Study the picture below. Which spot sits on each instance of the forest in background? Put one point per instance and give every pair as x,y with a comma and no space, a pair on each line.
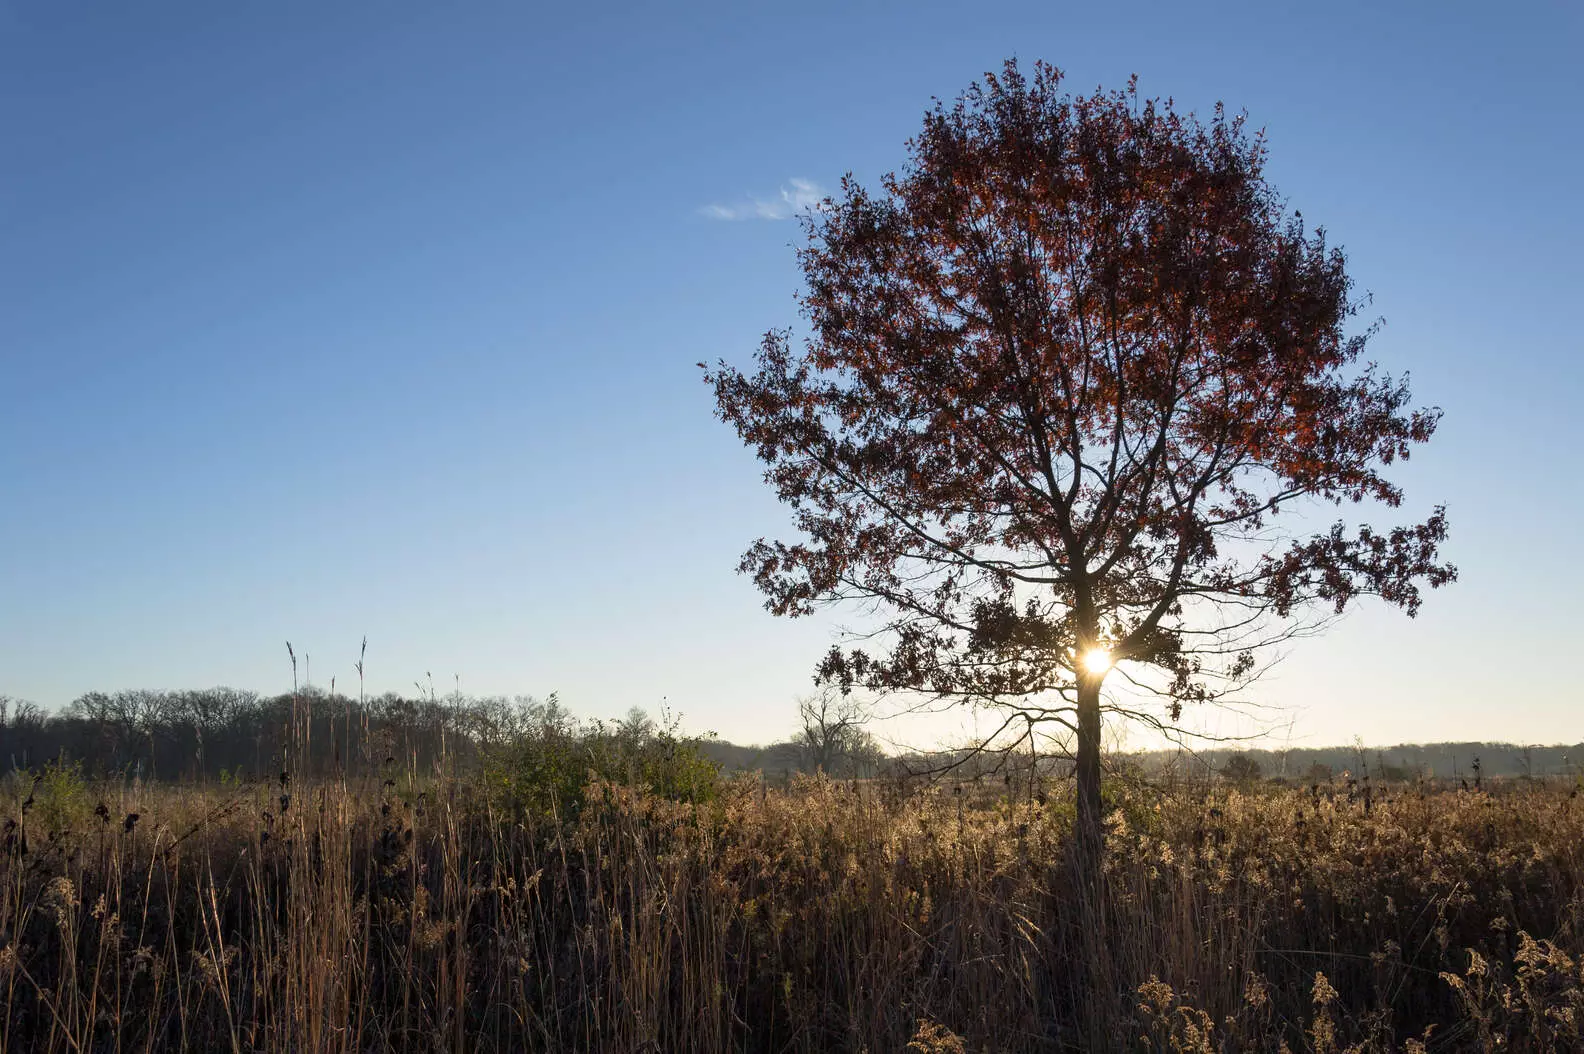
212,733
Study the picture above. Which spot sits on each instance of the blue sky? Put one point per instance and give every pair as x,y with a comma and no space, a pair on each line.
325,320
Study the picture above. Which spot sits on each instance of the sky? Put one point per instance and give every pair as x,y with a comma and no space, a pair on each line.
324,321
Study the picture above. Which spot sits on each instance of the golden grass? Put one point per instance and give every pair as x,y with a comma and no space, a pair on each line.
827,916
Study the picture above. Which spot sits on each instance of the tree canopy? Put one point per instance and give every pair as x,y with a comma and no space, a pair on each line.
1070,378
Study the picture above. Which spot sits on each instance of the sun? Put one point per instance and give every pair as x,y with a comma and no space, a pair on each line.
1097,660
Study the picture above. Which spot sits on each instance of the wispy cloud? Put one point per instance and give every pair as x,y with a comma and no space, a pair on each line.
794,197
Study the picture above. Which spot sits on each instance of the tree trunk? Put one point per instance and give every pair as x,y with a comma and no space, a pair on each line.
1087,867
1088,841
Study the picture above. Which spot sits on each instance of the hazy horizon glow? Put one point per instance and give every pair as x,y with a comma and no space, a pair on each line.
318,323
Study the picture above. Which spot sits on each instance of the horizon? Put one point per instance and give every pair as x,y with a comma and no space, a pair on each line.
383,321
1260,745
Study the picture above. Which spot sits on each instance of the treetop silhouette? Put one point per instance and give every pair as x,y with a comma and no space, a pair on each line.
1069,377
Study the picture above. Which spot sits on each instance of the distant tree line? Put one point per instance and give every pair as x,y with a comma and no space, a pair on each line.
206,733
1468,762
200,734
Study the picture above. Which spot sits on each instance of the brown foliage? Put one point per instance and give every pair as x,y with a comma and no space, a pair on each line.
1064,373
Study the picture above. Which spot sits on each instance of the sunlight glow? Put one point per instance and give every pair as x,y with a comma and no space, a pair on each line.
1097,660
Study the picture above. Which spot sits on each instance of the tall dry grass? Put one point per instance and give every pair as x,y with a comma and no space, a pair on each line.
403,911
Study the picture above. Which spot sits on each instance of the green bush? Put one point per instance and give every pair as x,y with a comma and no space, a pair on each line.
544,769
656,758
62,795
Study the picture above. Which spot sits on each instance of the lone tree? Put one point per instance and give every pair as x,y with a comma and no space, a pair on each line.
832,730
1071,377
1241,768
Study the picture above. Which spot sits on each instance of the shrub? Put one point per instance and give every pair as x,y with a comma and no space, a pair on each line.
545,770
62,796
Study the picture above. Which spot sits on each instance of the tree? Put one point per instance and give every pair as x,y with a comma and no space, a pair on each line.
637,726
1241,768
20,714
832,730
1075,388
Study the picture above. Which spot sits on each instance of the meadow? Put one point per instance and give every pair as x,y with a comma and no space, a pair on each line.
673,909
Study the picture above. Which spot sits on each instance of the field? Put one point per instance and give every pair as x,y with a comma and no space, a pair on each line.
403,913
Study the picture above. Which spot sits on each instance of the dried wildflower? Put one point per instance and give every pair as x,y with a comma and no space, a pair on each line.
934,1038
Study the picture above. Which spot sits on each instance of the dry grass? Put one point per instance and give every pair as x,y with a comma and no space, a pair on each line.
412,915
